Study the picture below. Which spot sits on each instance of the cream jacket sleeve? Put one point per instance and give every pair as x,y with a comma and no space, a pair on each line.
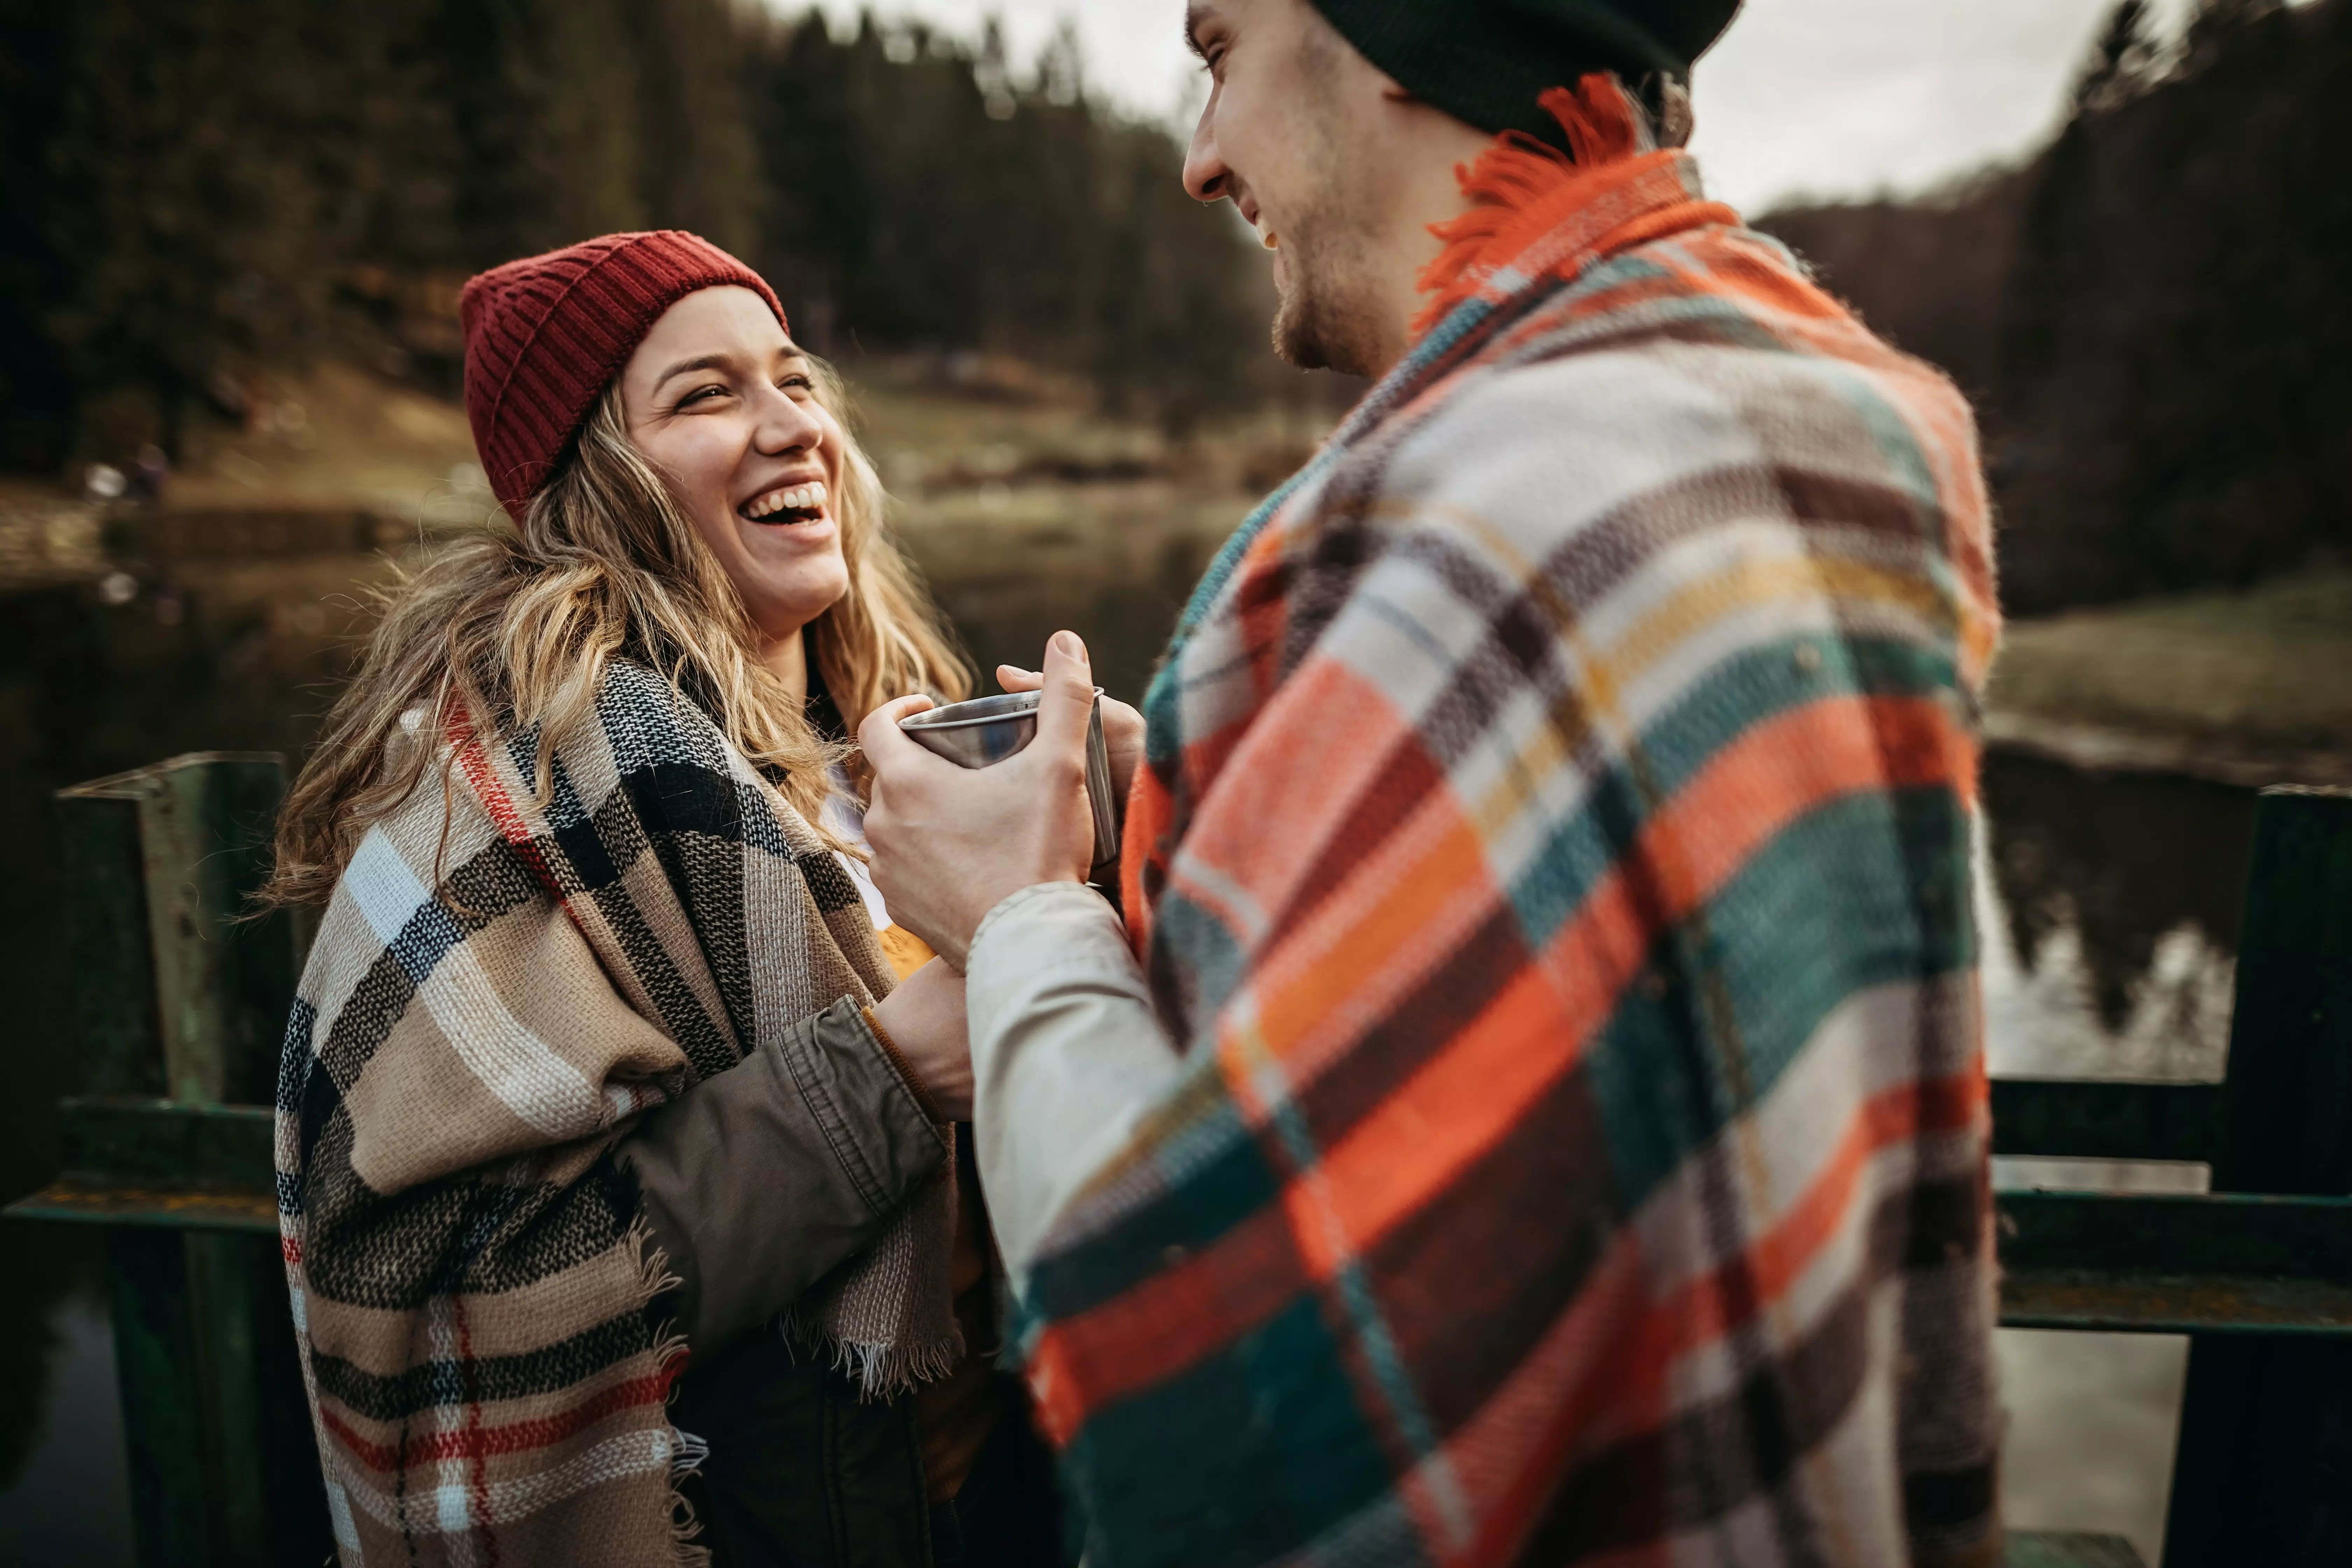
1067,1054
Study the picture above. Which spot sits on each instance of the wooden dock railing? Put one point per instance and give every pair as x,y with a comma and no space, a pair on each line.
170,1149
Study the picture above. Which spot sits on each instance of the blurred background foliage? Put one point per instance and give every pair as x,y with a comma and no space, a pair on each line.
2154,316
2151,314
198,191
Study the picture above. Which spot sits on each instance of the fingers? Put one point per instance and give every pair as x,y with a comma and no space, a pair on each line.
885,744
1013,677
1069,700
1123,739
1121,723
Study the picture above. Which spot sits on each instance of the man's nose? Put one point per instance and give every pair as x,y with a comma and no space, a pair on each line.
1206,178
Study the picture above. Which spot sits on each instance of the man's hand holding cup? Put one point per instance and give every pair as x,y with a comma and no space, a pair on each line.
950,843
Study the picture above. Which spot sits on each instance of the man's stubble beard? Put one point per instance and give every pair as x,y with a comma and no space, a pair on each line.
1330,314
1325,322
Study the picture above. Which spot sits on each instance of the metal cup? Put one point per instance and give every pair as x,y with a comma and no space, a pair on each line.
990,729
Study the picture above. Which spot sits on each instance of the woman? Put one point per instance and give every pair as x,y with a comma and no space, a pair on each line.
599,1069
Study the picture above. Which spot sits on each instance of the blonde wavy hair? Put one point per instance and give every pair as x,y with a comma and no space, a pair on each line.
519,628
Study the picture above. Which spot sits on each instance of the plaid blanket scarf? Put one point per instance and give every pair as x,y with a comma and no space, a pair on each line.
1553,858
496,990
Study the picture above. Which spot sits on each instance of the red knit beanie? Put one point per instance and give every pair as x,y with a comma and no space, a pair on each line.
546,334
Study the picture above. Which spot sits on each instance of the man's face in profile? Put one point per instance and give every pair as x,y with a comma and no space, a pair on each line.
1291,110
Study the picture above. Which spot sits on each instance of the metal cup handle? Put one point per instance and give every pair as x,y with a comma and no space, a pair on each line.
1099,794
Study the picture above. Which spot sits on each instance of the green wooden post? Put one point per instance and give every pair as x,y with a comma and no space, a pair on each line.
113,961
182,1004
202,827
2263,1473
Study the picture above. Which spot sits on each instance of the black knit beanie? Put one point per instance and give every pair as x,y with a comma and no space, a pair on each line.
1486,62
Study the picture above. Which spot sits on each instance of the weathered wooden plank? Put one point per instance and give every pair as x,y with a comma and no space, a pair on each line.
113,967
2106,1121
76,1201
2240,1305
2175,1263
158,1162
160,1143
2067,1549
2238,1233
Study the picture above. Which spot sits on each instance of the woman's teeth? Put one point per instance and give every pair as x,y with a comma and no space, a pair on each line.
795,498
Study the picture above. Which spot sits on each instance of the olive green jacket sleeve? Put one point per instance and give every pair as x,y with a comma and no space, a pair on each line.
759,1180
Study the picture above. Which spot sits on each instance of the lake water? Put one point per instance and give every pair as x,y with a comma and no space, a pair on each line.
2109,906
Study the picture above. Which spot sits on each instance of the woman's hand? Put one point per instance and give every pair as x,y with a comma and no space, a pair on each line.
1122,730
924,1019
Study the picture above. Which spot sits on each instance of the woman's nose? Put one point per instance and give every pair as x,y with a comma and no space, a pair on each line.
786,423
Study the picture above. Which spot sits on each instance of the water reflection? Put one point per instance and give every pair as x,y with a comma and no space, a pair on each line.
1005,618
66,1499
30,1328
2110,919
2109,908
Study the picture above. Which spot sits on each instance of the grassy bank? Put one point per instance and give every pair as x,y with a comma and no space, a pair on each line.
1027,507
2253,687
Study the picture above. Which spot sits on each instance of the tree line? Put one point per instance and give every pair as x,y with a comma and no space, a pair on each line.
2154,314
2151,313
194,190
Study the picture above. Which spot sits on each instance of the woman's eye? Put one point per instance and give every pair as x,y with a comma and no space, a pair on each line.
701,395
795,381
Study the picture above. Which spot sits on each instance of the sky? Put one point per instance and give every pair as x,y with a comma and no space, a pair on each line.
1824,97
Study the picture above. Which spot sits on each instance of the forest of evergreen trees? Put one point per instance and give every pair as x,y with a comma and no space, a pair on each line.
190,190
2154,316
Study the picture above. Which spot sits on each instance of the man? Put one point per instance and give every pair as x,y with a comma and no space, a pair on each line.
1540,1114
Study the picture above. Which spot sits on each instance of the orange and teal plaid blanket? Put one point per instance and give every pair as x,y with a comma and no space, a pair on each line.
1553,859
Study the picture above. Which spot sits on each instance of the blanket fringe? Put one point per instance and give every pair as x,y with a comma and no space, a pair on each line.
671,1352
880,1371
884,1372
1604,125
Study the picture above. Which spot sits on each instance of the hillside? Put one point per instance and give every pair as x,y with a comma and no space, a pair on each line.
2252,688
2150,315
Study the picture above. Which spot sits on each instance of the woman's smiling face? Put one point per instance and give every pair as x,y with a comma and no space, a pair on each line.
719,399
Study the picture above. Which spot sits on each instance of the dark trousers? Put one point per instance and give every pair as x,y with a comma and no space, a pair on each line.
803,1474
